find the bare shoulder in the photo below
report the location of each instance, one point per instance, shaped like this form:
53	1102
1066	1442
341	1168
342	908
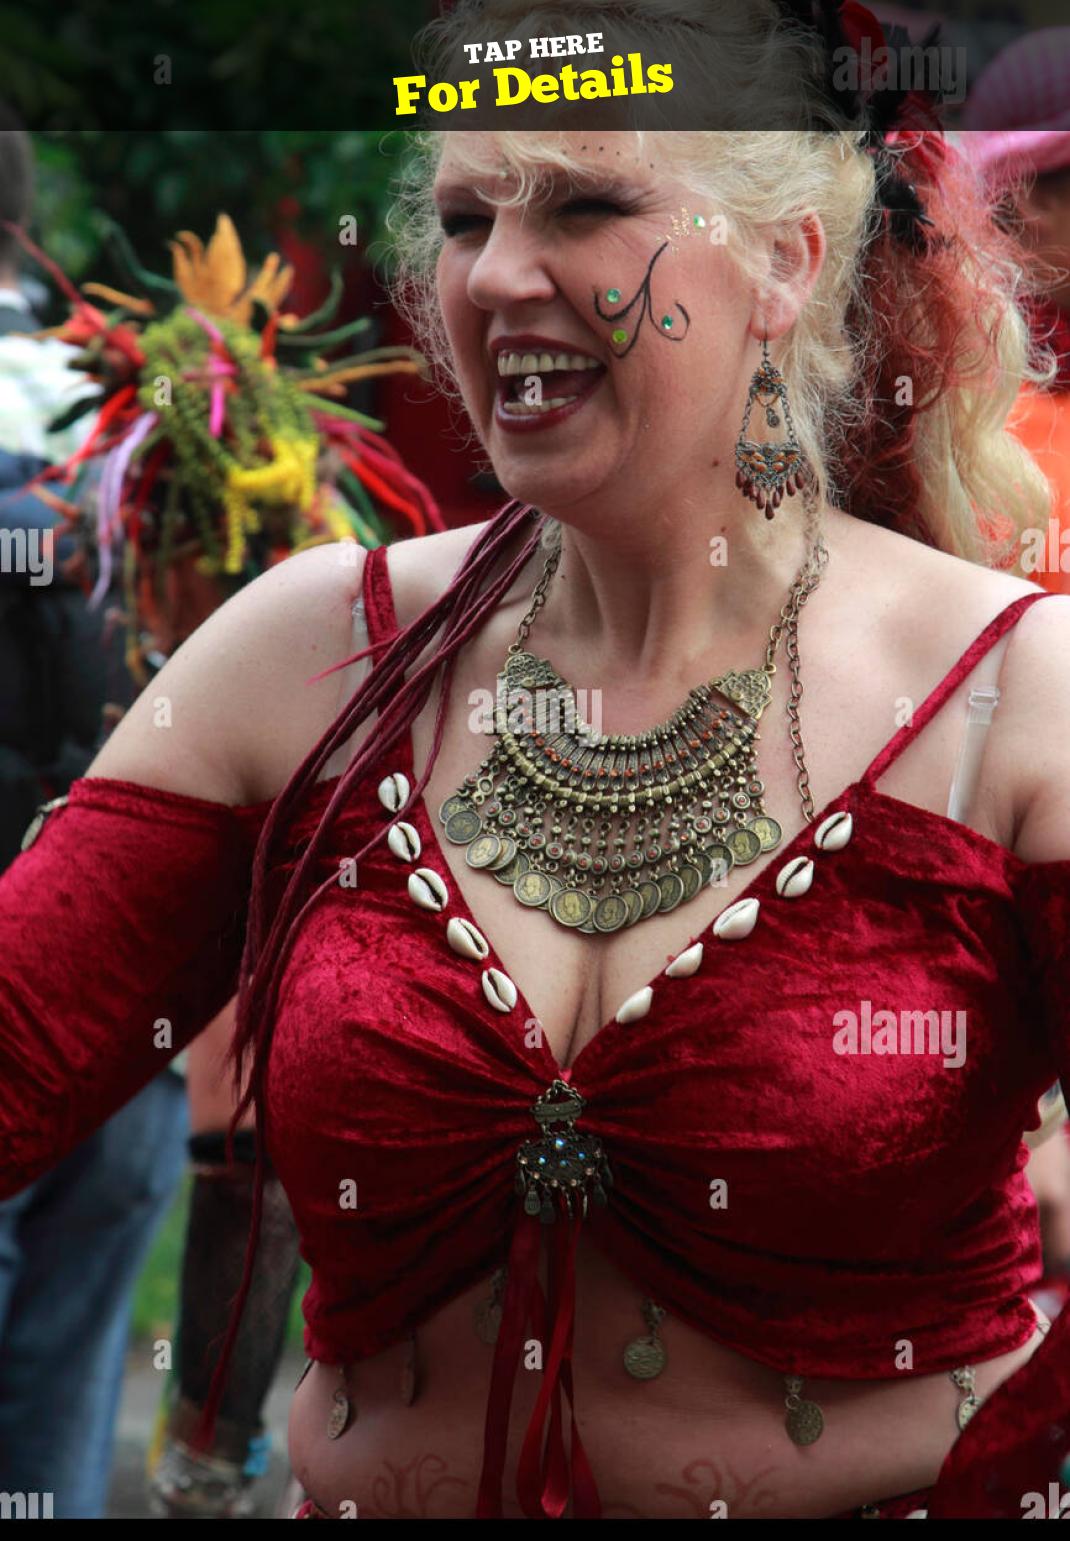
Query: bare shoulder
1035	684
936	597
232	713
423	568
936	605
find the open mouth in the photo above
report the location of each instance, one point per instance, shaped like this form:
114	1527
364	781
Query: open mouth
533	385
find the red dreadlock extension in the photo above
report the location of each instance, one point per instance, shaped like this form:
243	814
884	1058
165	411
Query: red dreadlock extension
460	610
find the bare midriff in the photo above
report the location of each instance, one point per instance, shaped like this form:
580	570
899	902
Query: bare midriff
705	1438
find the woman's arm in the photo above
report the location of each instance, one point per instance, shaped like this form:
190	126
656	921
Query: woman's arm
1019	1441
231	715
121	926
1035	695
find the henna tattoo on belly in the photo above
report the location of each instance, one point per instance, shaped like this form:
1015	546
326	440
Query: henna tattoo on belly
405	1492
707	1484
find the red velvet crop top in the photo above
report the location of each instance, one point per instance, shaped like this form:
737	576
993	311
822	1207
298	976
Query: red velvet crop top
881	1194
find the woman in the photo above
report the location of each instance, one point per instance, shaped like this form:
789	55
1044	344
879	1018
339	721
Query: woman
801	1265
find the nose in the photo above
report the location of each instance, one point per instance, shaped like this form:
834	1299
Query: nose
512	265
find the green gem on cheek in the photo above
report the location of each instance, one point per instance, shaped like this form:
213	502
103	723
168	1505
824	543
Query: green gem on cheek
666	322
613	295
620	336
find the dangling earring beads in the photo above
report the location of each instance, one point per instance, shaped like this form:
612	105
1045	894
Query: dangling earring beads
764	472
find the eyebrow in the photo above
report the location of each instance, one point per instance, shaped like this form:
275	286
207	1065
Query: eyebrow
556	181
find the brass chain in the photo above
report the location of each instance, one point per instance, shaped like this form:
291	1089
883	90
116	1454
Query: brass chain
803	587
791	646
538	599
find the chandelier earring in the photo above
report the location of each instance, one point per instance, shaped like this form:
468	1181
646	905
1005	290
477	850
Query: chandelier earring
765	472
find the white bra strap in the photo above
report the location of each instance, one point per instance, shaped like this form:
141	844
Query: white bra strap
350	679
981	704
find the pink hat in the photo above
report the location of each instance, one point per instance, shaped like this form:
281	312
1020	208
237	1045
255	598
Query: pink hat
1025	90
1007	153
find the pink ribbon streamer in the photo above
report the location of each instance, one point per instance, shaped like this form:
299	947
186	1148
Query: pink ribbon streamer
109	498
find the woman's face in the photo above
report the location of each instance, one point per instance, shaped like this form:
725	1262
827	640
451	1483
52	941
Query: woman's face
537	303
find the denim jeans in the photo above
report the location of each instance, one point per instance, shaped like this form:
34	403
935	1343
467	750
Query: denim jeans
71	1247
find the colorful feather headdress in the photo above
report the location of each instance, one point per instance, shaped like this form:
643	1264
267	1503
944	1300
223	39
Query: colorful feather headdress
219	432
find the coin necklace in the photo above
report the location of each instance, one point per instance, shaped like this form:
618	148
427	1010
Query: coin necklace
604	830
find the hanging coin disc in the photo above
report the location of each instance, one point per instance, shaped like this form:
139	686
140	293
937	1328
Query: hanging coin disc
610	913
505	855
671	889
463	825
483	851
804	1422
645	1358
571	906
768	831
533	888
720	860
338	1421
408	1373
512	870
744	845
455	803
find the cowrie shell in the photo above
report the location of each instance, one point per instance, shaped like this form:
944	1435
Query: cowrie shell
403	841
687	963
794	878
394	791
499	989
834	833
636	1005
427	889
737	921
465	939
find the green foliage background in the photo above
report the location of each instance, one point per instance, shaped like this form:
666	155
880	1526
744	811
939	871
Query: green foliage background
227	63
153	184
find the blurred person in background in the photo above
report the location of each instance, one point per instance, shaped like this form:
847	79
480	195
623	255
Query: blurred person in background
1017	134
72	1243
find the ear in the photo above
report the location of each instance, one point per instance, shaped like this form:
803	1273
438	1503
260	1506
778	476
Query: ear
796	257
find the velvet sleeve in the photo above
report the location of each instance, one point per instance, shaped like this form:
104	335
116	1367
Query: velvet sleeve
1018	1443
121	929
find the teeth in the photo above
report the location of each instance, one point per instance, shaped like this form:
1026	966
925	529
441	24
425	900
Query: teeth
542	363
522	409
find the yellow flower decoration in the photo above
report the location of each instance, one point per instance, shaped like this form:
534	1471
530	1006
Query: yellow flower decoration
289	477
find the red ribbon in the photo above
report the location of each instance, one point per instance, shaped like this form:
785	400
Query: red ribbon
544	1480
